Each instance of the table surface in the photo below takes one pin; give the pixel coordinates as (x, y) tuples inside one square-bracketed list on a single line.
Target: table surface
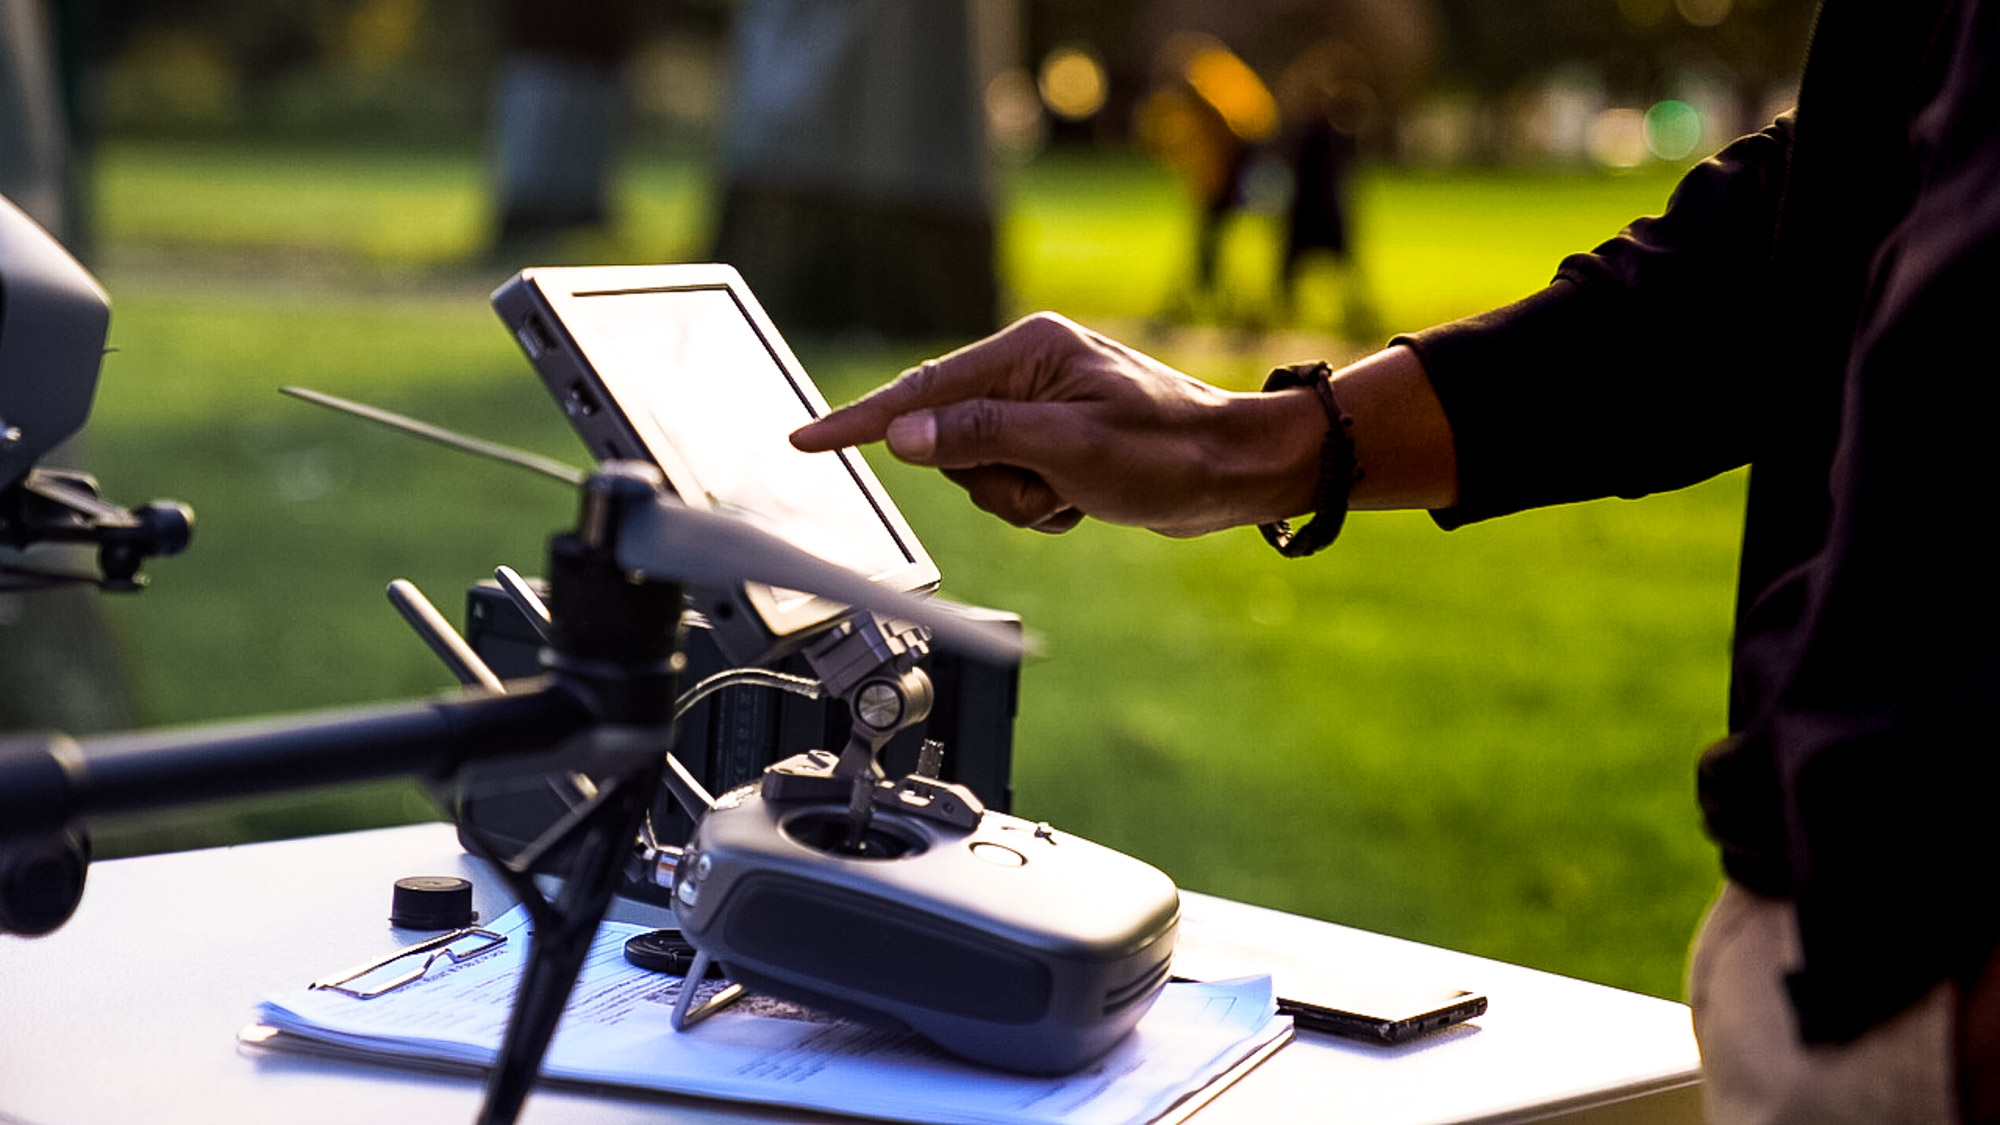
[(130, 1012)]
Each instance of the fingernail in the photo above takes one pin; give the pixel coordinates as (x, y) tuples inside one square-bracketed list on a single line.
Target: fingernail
[(913, 437)]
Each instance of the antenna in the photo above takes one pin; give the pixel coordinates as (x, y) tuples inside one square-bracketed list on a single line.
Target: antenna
[(533, 462), (669, 539)]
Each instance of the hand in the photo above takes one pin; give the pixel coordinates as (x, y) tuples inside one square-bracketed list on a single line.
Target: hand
[(1046, 422)]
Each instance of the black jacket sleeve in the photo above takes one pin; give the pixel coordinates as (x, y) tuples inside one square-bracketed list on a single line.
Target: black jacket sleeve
[(1632, 372)]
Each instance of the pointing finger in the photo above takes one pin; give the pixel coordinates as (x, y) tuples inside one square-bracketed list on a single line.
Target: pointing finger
[(989, 368), (867, 419)]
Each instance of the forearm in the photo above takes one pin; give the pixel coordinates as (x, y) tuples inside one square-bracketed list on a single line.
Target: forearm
[(1259, 454), (1046, 422), (1402, 439)]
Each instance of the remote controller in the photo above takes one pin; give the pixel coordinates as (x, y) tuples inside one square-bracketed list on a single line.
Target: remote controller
[(1002, 940)]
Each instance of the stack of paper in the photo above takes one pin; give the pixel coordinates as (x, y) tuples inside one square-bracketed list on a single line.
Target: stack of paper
[(615, 1031)]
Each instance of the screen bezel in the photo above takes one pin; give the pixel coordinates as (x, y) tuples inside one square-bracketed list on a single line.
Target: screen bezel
[(561, 289)]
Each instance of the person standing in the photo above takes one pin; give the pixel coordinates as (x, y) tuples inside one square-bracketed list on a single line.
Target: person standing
[(1812, 304)]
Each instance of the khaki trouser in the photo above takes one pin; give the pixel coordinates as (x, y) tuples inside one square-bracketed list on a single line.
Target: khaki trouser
[(1754, 1069)]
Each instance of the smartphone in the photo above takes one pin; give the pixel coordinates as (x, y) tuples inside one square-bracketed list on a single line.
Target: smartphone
[(1384, 1014), (680, 366), (1374, 1006)]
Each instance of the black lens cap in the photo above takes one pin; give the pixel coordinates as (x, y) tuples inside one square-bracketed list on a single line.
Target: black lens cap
[(431, 902), (665, 951)]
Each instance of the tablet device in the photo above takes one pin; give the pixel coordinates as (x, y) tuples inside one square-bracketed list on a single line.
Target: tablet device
[(678, 365)]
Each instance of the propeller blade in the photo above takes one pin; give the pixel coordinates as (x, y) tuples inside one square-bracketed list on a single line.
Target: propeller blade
[(669, 540), (567, 474)]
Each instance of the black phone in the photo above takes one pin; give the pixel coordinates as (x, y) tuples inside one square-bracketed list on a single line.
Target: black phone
[(1382, 1013), (1375, 1006)]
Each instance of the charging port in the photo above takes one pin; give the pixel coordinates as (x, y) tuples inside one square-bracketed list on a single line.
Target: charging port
[(579, 402), (535, 338)]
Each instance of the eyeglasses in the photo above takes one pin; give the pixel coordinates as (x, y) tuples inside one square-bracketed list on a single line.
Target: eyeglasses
[(409, 964)]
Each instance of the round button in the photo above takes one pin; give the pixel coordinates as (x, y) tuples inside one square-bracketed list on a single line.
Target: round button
[(999, 855)]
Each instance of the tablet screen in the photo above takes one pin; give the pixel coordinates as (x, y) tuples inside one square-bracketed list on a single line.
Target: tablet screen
[(691, 362)]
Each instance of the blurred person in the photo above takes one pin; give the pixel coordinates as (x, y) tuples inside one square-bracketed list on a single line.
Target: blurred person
[(1206, 121), (1328, 105), (1810, 304)]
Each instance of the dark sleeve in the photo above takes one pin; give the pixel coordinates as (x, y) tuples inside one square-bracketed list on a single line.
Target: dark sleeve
[(1629, 373)]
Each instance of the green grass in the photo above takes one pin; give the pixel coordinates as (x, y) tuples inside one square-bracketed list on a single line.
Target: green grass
[(1483, 739)]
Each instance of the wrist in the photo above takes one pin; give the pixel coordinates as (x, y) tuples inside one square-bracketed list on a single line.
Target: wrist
[(1402, 439), (1333, 469), (1258, 457)]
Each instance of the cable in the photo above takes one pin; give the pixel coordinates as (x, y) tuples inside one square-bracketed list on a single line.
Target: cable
[(677, 779)]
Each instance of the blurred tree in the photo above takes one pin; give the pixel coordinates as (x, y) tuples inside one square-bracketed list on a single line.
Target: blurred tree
[(855, 184), (558, 106), (34, 143), (322, 69), (1486, 49), (60, 668), (1494, 48)]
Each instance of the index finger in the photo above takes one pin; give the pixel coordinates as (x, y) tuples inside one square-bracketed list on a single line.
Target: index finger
[(867, 418), (977, 370)]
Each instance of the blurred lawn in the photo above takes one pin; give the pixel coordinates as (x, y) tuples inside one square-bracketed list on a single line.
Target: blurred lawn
[(1483, 739)]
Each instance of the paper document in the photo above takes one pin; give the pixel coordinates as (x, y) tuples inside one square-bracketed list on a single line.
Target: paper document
[(615, 1031)]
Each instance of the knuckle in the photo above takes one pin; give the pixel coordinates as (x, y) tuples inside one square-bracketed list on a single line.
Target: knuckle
[(921, 380), (980, 421), (1046, 328)]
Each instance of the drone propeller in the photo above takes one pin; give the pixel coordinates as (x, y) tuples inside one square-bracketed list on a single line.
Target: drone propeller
[(667, 539)]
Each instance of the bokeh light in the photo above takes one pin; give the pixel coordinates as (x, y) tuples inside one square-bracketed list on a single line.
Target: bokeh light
[(1618, 138), (1073, 83), (1014, 121), (1673, 129), (1645, 13), (1227, 83), (1704, 13)]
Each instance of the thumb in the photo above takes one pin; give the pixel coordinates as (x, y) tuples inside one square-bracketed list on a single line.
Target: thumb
[(912, 437), (975, 432)]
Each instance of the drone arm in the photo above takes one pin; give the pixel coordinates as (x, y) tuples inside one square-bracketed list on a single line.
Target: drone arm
[(49, 781)]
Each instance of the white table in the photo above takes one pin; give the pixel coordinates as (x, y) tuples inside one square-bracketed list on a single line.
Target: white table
[(130, 1012)]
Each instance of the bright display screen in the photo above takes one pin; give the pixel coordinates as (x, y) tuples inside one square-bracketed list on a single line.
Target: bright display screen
[(690, 362)]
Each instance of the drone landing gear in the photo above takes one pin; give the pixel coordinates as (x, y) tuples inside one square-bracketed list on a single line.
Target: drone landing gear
[(602, 831), (612, 640)]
